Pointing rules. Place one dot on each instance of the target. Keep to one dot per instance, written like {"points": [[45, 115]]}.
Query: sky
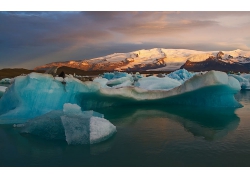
{"points": [[30, 39]]}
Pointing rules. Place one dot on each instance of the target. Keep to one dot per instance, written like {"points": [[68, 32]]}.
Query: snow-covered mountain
{"points": [[157, 59]]}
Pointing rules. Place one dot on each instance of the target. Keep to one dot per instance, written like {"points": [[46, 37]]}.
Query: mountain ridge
{"points": [[158, 59]]}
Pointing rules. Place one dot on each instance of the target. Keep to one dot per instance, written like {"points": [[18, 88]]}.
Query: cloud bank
{"points": [[30, 39]]}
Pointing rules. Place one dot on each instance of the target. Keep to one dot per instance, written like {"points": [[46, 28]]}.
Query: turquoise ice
{"points": [[36, 94], [71, 125]]}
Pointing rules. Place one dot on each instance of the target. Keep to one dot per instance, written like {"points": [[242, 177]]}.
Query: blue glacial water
{"points": [[154, 136]]}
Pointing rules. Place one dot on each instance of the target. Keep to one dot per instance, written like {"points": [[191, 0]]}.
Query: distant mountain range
{"points": [[11, 73], [159, 59]]}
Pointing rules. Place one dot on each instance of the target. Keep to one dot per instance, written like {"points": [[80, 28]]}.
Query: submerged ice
{"points": [[37, 94], [72, 125]]}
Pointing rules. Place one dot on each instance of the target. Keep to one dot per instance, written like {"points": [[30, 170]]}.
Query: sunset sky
{"points": [[30, 39]]}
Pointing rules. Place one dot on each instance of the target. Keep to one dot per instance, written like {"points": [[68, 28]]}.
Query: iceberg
{"points": [[119, 81], [213, 89], [243, 80], [102, 81], [71, 125], [115, 75], [155, 83], [180, 75], [6, 81], [37, 94], [2, 90]]}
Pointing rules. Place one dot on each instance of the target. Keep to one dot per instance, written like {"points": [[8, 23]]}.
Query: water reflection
{"points": [[149, 131], [210, 123]]}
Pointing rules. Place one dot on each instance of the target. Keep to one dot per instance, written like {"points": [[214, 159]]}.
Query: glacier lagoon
{"points": [[148, 134]]}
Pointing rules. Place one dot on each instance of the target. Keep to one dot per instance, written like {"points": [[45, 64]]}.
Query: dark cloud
{"points": [[31, 37]]}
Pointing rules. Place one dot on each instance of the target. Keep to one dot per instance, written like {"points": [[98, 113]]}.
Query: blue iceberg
{"points": [[72, 125], [180, 75], [37, 94], [243, 80]]}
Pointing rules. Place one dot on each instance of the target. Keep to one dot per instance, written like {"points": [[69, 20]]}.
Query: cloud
{"points": [[161, 28], [27, 37]]}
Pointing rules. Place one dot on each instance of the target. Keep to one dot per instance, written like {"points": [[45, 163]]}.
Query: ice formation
{"points": [[101, 81], [155, 83], [72, 125], [36, 94], [119, 81], [5, 81], [180, 75], [2, 90], [115, 75], [243, 80]]}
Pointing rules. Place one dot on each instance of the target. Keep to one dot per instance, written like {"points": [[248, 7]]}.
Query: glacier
{"points": [[37, 94], [72, 125]]}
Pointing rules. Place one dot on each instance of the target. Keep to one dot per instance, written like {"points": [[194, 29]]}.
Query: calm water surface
{"points": [[146, 136]]}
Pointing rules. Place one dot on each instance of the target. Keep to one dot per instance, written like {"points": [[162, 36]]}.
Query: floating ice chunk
{"points": [[246, 76], [115, 82], [244, 83], [74, 109], [76, 129], [214, 89], [101, 81], [71, 125], [100, 129], [124, 84], [108, 76], [2, 90], [36, 94], [48, 126], [6, 81], [71, 109], [180, 75], [115, 75], [155, 83], [118, 75]]}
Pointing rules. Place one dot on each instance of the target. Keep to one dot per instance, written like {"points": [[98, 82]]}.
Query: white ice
{"points": [[72, 125], [2, 90]]}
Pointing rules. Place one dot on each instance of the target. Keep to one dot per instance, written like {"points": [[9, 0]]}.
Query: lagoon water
{"points": [[154, 136]]}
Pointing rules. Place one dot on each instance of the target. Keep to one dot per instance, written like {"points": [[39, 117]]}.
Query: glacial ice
{"points": [[115, 75], [101, 81], [243, 80], [2, 90], [6, 81], [72, 125], [155, 83], [180, 75], [37, 94], [119, 81]]}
